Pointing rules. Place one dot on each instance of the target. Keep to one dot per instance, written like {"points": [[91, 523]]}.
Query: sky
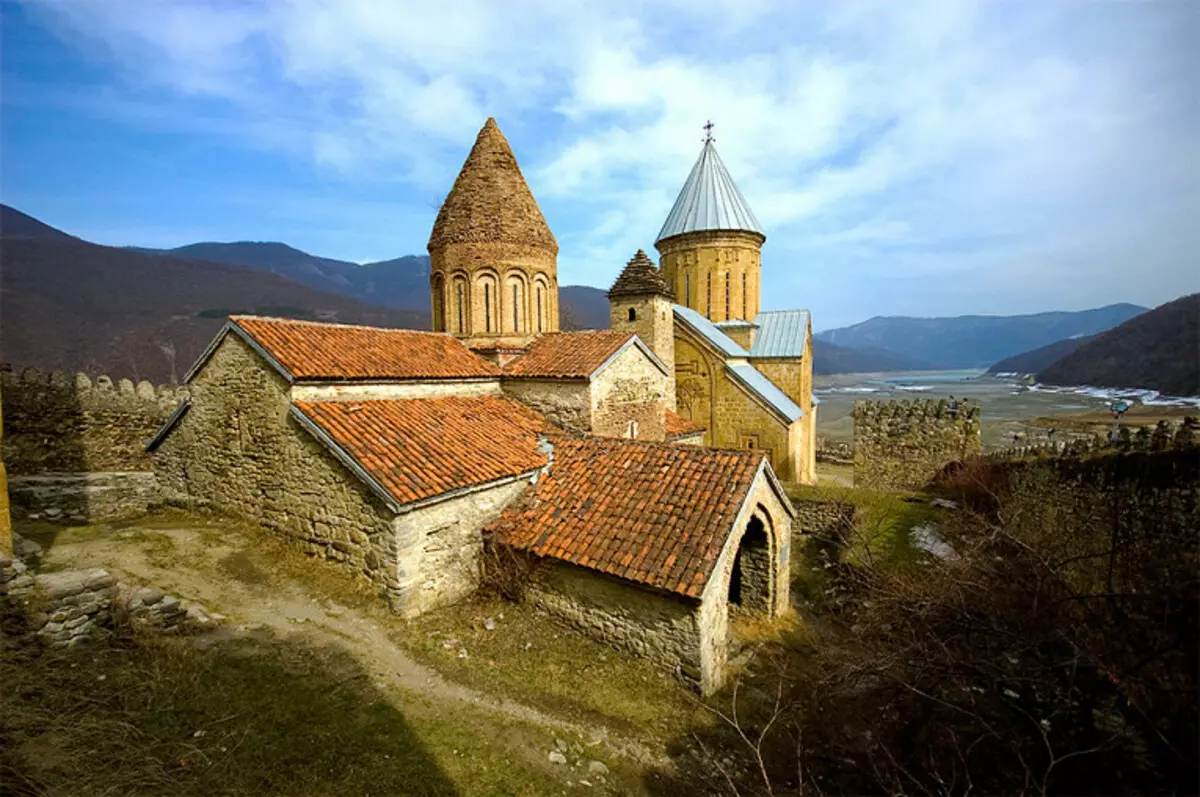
{"points": [[924, 157]]}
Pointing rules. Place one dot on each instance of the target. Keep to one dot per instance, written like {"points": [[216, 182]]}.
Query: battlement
{"points": [[101, 389], [61, 423], [917, 411], [1164, 436], [903, 445]]}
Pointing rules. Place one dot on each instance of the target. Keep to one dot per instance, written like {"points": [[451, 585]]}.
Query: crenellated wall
{"points": [[75, 424], [74, 446], [903, 445]]}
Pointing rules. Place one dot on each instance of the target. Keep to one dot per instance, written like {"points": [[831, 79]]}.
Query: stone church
{"points": [[632, 470]]}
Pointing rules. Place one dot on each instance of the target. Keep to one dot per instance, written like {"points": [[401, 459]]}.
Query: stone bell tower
{"points": [[711, 244], [493, 260], [640, 302]]}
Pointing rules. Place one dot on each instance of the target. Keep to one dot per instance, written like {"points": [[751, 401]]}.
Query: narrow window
{"points": [[632, 314], [539, 308], [687, 290], [632, 431], [726, 295], [487, 307], [708, 300], [745, 312], [460, 308], [516, 316]]}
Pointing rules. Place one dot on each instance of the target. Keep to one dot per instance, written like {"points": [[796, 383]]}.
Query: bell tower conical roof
{"points": [[641, 278], [490, 201], [709, 201]]}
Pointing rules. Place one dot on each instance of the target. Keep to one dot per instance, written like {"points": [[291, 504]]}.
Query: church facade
{"points": [[743, 375]]}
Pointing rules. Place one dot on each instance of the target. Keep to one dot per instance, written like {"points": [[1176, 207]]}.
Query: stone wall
{"points": [[834, 452], [654, 323], [565, 402], [73, 424], [630, 390], [74, 607], [439, 547], [74, 447], [822, 518], [732, 418], [658, 626], [80, 497], [238, 450], [903, 445], [6, 547]]}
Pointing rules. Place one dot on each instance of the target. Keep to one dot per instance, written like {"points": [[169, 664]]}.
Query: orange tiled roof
{"points": [[678, 426], [419, 448], [311, 350], [567, 354], [652, 513]]}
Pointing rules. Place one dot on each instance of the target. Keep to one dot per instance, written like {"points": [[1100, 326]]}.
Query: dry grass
{"points": [[160, 716]]}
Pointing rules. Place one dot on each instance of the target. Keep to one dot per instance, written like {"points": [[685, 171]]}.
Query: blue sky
{"points": [[925, 157]]}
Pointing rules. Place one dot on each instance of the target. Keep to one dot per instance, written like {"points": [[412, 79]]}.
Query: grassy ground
{"points": [[262, 716]]}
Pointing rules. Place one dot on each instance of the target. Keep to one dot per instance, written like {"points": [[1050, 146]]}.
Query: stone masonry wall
{"points": [[657, 626], [238, 450], [822, 517], [654, 323], [630, 389], [61, 424], [903, 445], [439, 547], [75, 447], [566, 403]]}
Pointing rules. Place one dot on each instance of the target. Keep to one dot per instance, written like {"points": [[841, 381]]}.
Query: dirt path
{"points": [[225, 572]]}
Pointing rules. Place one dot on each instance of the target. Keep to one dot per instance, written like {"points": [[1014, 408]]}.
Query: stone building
{"points": [[743, 375], [392, 451], [493, 260], [653, 547]]}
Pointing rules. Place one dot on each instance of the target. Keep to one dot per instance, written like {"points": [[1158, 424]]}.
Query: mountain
{"points": [[69, 304], [401, 283], [975, 341], [1030, 362], [1158, 350], [582, 307], [829, 358]]}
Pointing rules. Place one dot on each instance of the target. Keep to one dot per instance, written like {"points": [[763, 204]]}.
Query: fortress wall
{"points": [[74, 446], [903, 445]]}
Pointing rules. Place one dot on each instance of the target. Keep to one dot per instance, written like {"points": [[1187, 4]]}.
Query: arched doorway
{"points": [[750, 582]]}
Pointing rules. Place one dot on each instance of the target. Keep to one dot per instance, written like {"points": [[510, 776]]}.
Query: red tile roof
{"points": [[653, 513], [420, 448], [310, 350], [567, 354], [679, 426]]}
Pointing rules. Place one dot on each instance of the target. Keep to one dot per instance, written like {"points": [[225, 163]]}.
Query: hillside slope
{"points": [[1158, 350], [72, 305], [829, 358], [1030, 362], [975, 341]]}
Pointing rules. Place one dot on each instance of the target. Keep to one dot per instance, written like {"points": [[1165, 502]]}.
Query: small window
{"points": [[632, 314], [632, 431], [687, 290]]}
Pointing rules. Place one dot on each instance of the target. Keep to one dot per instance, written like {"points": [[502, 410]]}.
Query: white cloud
{"points": [[909, 141]]}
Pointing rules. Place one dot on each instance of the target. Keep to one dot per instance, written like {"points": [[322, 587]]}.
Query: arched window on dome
{"points": [[517, 304], [487, 299], [438, 287], [462, 306], [745, 294]]}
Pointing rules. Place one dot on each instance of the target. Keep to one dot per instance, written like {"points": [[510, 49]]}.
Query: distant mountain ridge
{"points": [[1030, 362], [1158, 350], [975, 341], [71, 305]]}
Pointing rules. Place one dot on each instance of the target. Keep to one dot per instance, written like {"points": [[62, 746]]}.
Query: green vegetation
{"points": [[280, 310]]}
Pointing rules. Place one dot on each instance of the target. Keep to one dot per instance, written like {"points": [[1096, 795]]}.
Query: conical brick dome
{"points": [[490, 201]]}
